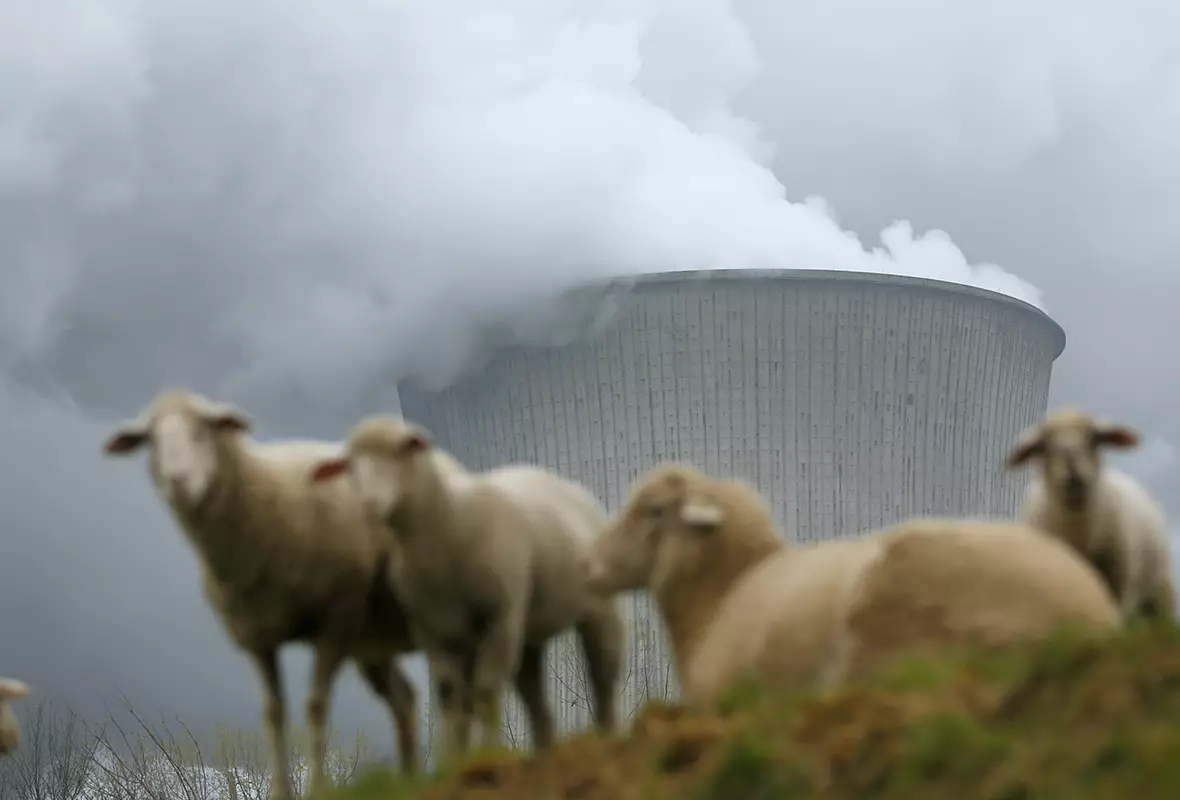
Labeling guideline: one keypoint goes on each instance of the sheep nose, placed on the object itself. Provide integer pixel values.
(1075, 490)
(178, 488)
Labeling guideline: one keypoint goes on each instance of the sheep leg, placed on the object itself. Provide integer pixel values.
(9, 729)
(1165, 603)
(530, 684)
(601, 636)
(453, 690)
(274, 714)
(1165, 598)
(1159, 602)
(488, 711)
(1109, 566)
(496, 662)
(327, 663)
(1131, 574)
(387, 680)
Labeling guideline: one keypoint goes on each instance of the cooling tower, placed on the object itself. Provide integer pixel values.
(851, 400)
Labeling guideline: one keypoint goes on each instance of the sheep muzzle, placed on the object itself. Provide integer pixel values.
(1075, 492)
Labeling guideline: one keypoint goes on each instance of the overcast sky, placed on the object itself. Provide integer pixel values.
(290, 203)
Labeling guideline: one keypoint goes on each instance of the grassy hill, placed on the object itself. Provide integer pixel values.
(1069, 719)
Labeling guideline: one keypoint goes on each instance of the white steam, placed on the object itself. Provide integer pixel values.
(327, 194)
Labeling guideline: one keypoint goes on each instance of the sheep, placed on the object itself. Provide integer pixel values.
(939, 583)
(281, 562)
(488, 566)
(738, 602)
(10, 691)
(1105, 514)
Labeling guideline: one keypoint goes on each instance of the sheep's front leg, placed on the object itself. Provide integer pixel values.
(1163, 601)
(496, 661)
(9, 729)
(530, 684)
(1130, 571)
(274, 714)
(328, 659)
(453, 692)
(387, 679)
(603, 640)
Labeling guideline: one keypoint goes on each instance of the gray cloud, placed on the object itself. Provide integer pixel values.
(295, 203)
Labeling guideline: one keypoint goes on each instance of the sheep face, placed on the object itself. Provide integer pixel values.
(663, 525)
(181, 430)
(380, 458)
(1067, 445)
(9, 727)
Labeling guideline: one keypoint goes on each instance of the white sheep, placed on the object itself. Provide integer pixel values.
(738, 602)
(10, 691)
(489, 567)
(282, 562)
(939, 583)
(1105, 514)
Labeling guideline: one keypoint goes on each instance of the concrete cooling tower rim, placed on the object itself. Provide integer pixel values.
(653, 281)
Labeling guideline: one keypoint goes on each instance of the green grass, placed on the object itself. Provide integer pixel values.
(1069, 719)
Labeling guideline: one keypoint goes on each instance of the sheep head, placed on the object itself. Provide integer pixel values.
(380, 456)
(1068, 446)
(182, 430)
(667, 518)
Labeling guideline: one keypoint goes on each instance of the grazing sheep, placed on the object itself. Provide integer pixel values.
(488, 566)
(1105, 514)
(282, 562)
(738, 602)
(10, 691)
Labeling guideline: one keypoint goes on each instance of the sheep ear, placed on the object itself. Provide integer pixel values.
(415, 443)
(1029, 444)
(1119, 437)
(231, 420)
(13, 690)
(224, 416)
(327, 470)
(127, 438)
(701, 515)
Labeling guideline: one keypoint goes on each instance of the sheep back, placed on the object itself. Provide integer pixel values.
(953, 583)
